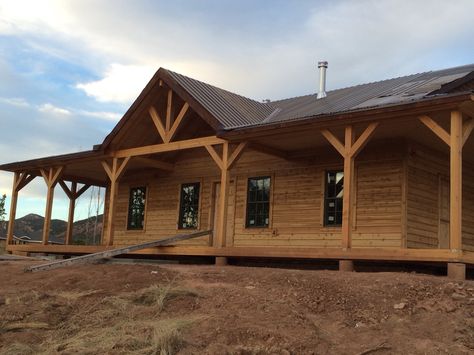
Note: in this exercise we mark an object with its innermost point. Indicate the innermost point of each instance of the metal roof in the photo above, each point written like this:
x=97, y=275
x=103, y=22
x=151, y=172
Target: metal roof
x=234, y=111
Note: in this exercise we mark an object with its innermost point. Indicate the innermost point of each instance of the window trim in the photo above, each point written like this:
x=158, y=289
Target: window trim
x=325, y=183
x=270, y=201
x=178, y=220
x=135, y=230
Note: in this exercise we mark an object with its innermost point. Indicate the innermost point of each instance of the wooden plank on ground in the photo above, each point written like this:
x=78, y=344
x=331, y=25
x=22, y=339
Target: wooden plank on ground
x=114, y=252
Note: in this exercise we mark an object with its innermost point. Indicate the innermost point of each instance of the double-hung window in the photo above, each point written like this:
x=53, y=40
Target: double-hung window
x=258, y=202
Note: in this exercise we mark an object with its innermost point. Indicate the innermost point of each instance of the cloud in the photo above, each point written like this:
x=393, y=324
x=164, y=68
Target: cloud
x=121, y=83
x=53, y=110
x=15, y=101
x=103, y=115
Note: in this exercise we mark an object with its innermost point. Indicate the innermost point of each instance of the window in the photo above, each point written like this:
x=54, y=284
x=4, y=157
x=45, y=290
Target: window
x=136, y=208
x=189, y=206
x=258, y=202
x=333, y=198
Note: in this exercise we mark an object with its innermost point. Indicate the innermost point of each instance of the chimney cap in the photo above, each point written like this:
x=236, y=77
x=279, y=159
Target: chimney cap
x=323, y=64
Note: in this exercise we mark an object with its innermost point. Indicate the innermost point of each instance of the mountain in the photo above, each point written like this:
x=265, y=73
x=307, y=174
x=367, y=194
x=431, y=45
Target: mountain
x=31, y=225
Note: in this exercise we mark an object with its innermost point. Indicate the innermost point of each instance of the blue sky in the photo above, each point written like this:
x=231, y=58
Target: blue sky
x=70, y=69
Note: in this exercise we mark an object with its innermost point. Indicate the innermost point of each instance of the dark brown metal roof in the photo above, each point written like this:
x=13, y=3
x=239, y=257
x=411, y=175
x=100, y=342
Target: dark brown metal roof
x=234, y=111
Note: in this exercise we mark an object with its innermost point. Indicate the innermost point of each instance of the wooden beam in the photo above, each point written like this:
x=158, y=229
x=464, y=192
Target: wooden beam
x=25, y=180
x=83, y=189
x=157, y=121
x=348, y=189
x=364, y=138
x=153, y=163
x=120, y=167
x=268, y=150
x=335, y=142
x=51, y=178
x=169, y=110
x=435, y=128
x=456, y=140
x=169, y=147
x=236, y=154
x=467, y=130
x=108, y=169
x=13, y=203
x=177, y=122
x=215, y=156
x=220, y=230
x=66, y=189
x=72, y=206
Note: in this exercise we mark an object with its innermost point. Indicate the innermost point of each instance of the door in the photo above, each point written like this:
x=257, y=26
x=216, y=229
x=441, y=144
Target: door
x=443, y=231
x=230, y=211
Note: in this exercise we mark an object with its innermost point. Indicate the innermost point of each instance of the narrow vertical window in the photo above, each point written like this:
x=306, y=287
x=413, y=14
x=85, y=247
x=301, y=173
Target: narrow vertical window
x=136, y=208
x=333, y=198
x=258, y=202
x=189, y=206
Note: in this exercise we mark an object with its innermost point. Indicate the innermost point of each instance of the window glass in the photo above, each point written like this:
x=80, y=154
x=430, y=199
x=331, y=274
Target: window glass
x=333, y=198
x=258, y=202
x=189, y=206
x=136, y=208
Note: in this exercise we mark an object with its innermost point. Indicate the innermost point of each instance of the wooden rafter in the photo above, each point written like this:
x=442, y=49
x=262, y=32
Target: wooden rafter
x=168, y=147
x=435, y=128
x=172, y=131
x=363, y=138
x=236, y=154
x=335, y=142
x=157, y=121
x=467, y=130
x=169, y=110
x=214, y=155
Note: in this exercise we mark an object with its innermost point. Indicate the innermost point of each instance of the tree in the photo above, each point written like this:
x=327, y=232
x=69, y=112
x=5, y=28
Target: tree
x=2, y=211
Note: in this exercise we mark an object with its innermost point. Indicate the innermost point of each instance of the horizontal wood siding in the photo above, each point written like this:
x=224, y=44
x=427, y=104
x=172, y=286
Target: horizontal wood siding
x=425, y=168
x=296, y=212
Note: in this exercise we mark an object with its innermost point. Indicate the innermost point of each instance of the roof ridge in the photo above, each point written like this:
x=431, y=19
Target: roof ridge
x=414, y=75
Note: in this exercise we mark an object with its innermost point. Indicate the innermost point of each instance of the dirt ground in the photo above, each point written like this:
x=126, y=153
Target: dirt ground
x=203, y=309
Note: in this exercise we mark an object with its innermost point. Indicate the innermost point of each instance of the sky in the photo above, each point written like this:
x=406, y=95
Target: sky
x=70, y=69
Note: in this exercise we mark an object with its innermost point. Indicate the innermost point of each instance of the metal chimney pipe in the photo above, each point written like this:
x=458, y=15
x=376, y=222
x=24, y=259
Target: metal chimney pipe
x=322, y=79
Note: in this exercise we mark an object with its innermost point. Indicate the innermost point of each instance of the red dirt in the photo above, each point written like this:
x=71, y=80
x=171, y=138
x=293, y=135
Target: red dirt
x=243, y=310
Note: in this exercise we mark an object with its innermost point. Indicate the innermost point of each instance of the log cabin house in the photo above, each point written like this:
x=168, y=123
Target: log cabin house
x=379, y=171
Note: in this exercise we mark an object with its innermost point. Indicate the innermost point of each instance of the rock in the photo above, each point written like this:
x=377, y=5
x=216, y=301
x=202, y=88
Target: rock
x=249, y=287
x=401, y=305
x=470, y=301
x=458, y=296
x=2, y=301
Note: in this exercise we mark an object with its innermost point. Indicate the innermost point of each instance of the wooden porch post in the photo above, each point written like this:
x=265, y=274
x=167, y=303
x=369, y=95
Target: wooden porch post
x=51, y=177
x=73, y=194
x=455, y=213
x=20, y=180
x=225, y=163
x=349, y=150
x=114, y=172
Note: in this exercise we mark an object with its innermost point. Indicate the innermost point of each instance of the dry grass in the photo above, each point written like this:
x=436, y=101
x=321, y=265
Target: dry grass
x=125, y=324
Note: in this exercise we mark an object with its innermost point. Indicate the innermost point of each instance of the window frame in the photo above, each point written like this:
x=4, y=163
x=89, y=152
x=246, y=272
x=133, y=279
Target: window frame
x=325, y=198
x=127, y=225
x=270, y=199
x=198, y=204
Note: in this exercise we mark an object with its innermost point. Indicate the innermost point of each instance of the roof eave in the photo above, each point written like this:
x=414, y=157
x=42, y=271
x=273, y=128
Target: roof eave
x=427, y=104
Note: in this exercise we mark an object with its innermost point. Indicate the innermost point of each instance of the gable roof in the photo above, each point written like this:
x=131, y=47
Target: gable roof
x=224, y=110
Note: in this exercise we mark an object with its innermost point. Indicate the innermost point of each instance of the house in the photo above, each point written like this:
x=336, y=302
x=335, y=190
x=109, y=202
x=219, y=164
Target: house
x=378, y=171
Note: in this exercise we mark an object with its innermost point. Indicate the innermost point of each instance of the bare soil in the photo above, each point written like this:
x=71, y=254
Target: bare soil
x=196, y=309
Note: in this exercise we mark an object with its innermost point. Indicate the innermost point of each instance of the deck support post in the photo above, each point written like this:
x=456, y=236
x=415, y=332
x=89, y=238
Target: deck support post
x=225, y=163
x=114, y=172
x=73, y=194
x=51, y=177
x=457, y=271
x=346, y=265
x=20, y=180
x=455, y=139
x=349, y=151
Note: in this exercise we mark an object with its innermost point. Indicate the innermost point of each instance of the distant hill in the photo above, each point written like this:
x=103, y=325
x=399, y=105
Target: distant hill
x=31, y=225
